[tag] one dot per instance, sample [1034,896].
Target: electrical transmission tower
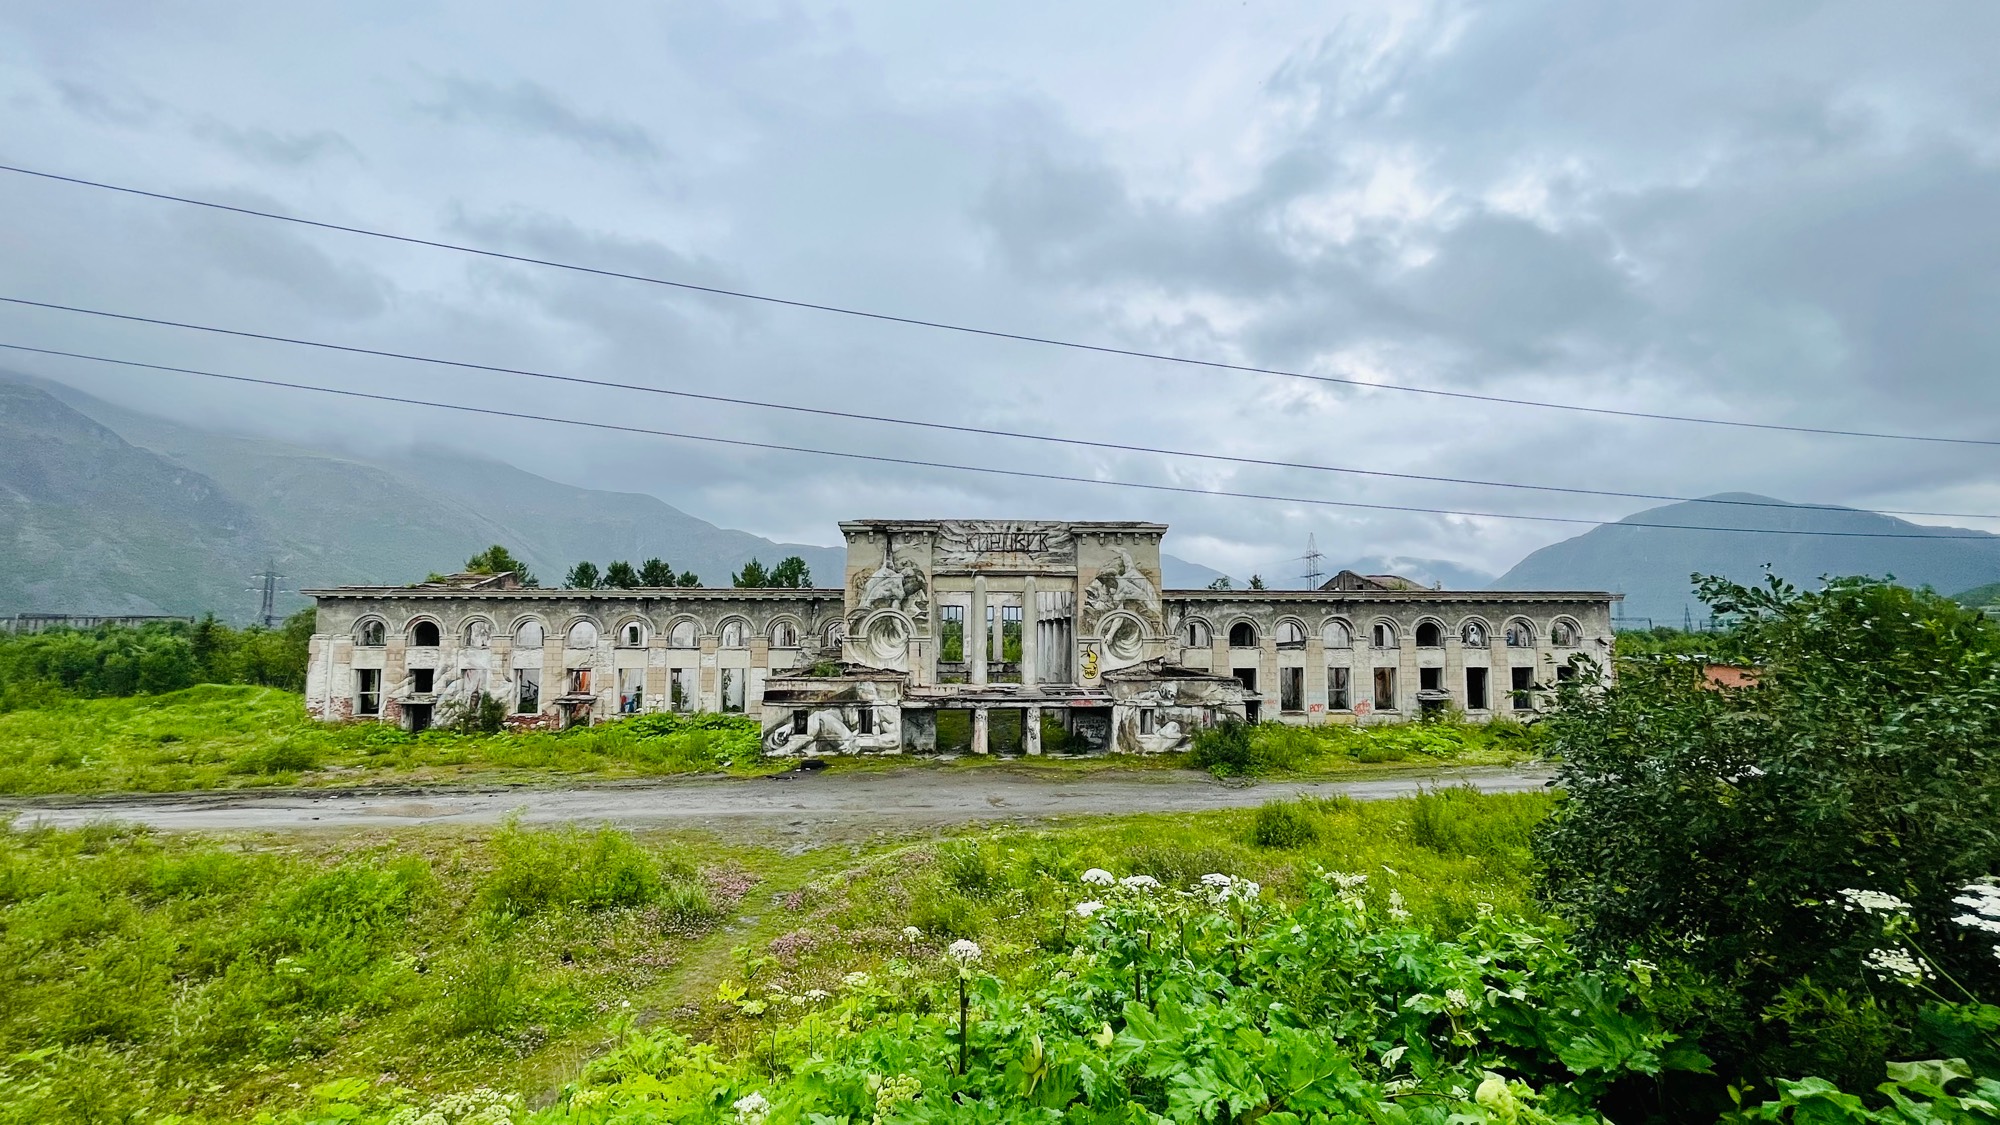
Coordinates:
[268,614]
[1312,558]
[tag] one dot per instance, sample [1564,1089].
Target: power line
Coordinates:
[912,462]
[828,412]
[972,330]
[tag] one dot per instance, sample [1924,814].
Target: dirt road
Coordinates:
[850,800]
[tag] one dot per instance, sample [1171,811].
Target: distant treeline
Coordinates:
[39,669]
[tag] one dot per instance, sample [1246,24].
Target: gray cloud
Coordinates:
[531,109]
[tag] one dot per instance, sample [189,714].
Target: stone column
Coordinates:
[1031,731]
[1031,650]
[975,643]
[979,731]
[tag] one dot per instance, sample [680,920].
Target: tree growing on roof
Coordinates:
[583,576]
[499,560]
[752,576]
[791,573]
[620,576]
[656,572]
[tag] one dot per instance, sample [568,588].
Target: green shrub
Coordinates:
[971,870]
[545,869]
[285,755]
[1223,749]
[1284,824]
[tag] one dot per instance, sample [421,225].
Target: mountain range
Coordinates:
[108,510]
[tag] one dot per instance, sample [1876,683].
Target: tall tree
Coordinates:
[753,576]
[656,572]
[620,576]
[583,576]
[689,579]
[791,573]
[1257,582]
[499,560]
[1222,583]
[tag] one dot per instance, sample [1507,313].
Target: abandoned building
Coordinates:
[955,635]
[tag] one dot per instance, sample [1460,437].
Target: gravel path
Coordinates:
[890,799]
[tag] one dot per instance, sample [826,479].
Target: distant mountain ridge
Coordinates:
[105,509]
[1651,565]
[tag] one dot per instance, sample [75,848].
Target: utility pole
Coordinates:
[1312,558]
[268,614]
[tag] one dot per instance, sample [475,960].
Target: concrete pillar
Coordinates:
[979,731]
[1031,731]
[1000,631]
[1031,649]
[975,644]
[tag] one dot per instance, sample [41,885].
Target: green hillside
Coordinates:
[1979,597]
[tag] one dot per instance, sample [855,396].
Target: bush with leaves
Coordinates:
[1714,830]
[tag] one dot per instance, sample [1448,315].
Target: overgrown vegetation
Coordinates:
[149,975]
[1237,749]
[220,737]
[42,669]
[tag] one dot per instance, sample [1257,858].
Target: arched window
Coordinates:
[835,634]
[528,634]
[1429,635]
[424,634]
[1473,635]
[1520,634]
[1337,634]
[1564,633]
[1383,635]
[1291,634]
[583,634]
[632,634]
[732,634]
[684,634]
[1195,634]
[1242,635]
[372,634]
[478,633]
[784,634]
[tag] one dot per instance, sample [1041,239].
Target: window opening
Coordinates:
[951,634]
[1242,635]
[1523,681]
[1339,690]
[1385,689]
[528,635]
[631,690]
[1291,634]
[864,723]
[681,689]
[684,634]
[1196,635]
[632,635]
[424,635]
[1384,635]
[579,681]
[1148,720]
[479,634]
[1248,678]
[527,691]
[799,721]
[1563,635]
[582,635]
[784,635]
[374,634]
[1429,635]
[421,680]
[732,690]
[368,691]
[1475,689]
[1337,634]
[732,634]
[1473,635]
[1520,635]
[1430,679]
[1291,689]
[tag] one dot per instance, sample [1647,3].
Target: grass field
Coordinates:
[222,737]
[218,977]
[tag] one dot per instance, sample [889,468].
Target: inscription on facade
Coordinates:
[994,542]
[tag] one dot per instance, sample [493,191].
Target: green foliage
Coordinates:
[791,573]
[1234,749]
[536,871]
[499,560]
[583,576]
[752,576]
[215,735]
[1257,582]
[1223,749]
[1722,646]
[40,669]
[1222,583]
[1715,829]
[620,576]
[655,572]
[1284,824]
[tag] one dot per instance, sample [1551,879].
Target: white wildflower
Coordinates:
[1246,891]
[1397,911]
[752,1109]
[1099,877]
[856,979]
[1216,879]
[1983,898]
[1086,909]
[963,951]
[1974,921]
[1139,882]
[1874,902]
[1347,882]
[1896,964]
[1455,999]
[817,994]
[911,933]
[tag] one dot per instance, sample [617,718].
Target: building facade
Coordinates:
[955,635]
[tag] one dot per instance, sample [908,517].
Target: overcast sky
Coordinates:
[1774,211]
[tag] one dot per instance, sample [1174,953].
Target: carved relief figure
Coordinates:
[895,585]
[1121,585]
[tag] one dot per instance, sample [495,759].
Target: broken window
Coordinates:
[1384,635]
[478,633]
[951,634]
[1148,720]
[1565,673]
[1242,635]
[732,634]
[1523,688]
[1339,690]
[1010,634]
[631,690]
[1430,679]
[1520,634]
[632,634]
[681,690]
[835,634]
[784,634]
[527,691]
[1337,634]
[421,680]
[1291,689]
[1563,634]
[1248,678]
[1430,635]
[732,690]
[1291,634]
[799,721]
[1195,634]
[684,634]
[864,723]
[1385,689]
[582,635]
[1473,635]
[528,634]
[368,691]
[373,634]
[424,634]
[1475,689]
[579,682]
